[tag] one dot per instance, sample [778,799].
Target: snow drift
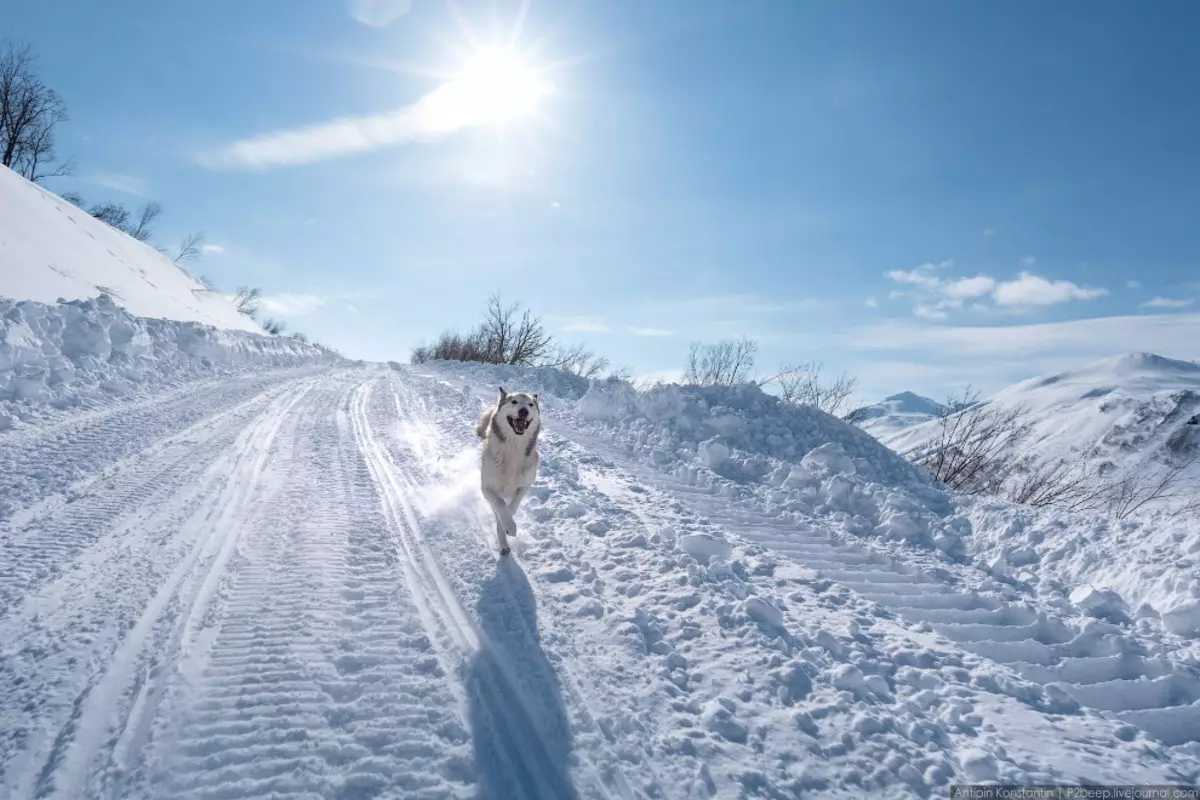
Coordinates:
[89,353]
[49,249]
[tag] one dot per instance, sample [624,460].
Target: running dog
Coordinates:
[509,462]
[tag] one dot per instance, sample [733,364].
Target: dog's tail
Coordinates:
[485,422]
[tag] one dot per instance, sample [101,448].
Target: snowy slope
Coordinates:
[899,411]
[49,249]
[289,587]
[1117,412]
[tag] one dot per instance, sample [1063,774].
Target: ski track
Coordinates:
[1095,664]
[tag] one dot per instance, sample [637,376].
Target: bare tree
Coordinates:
[578,360]
[29,113]
[274,326]
[801,385]
[246,300]
[1062,483]
[972,450]
[725,363]
[300,337]
[513,336]
[113,214]
[140,229]
[191,247]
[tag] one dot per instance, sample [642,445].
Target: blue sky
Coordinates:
[924,193]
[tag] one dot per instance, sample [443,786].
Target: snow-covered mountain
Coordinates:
[49,249]
[1120,413]
[894,413]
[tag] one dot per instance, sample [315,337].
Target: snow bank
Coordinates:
[1151,565]
[88,353]
[51,250]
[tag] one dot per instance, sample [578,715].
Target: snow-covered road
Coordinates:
[285,586]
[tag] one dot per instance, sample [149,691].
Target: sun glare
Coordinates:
[495,87]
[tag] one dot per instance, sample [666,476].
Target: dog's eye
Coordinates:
[514,402]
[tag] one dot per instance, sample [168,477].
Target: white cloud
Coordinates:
[650,331]
[872,302]
[584,325]
[213,250]
[290,305]
[1029,261]
[1132,284]
[378,13]
[1034,290]
[352,309]
[1168,302]
[934,296]
[1173,335]
[988,233]
[126,184]
[458,104]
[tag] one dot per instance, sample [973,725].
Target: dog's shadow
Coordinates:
[520,730]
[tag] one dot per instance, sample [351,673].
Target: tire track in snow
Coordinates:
[317,679]
[62,751]
[514,757]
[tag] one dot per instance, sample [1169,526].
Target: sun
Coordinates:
[495,87]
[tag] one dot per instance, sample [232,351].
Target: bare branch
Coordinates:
[29,113]
[246,300]
[140,230]
[191,247]
[801,385]
[726,363]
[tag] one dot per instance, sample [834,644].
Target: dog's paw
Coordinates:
[504,551]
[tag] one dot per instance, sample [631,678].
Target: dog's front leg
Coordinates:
[505,524]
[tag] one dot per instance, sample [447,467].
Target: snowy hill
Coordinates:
[1117,413]
[894,413]
[49,249]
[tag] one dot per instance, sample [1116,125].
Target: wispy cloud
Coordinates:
[378,13]
[1034,290]
[1132,284]
[637,331]
[290,305]
[988,233]
[583,325]
[460,103]
[934,295]
[1175,335]
[1168,302]
[213,250]
[872,302]
[126,184]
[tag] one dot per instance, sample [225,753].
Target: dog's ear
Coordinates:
[503,395]
[535,402]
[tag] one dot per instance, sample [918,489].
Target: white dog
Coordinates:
[509,462]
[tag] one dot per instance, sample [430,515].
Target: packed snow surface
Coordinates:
[289,587]
[50,249]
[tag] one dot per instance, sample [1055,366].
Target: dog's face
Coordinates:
[519,411]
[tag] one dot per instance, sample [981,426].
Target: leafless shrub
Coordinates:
[274,326]
[972,450]
[190,248]
[300,337]
[140,229]
[726,363]
[112,214]
[801,385]
[29,113]
[506,335]
[1062,483]
[246,300]
[576,359]
[1137,490]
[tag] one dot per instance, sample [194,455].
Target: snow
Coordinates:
[1115,416]
[897,412]
[277,577]
[51,250]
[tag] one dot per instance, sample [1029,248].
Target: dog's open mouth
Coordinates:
[519,424]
